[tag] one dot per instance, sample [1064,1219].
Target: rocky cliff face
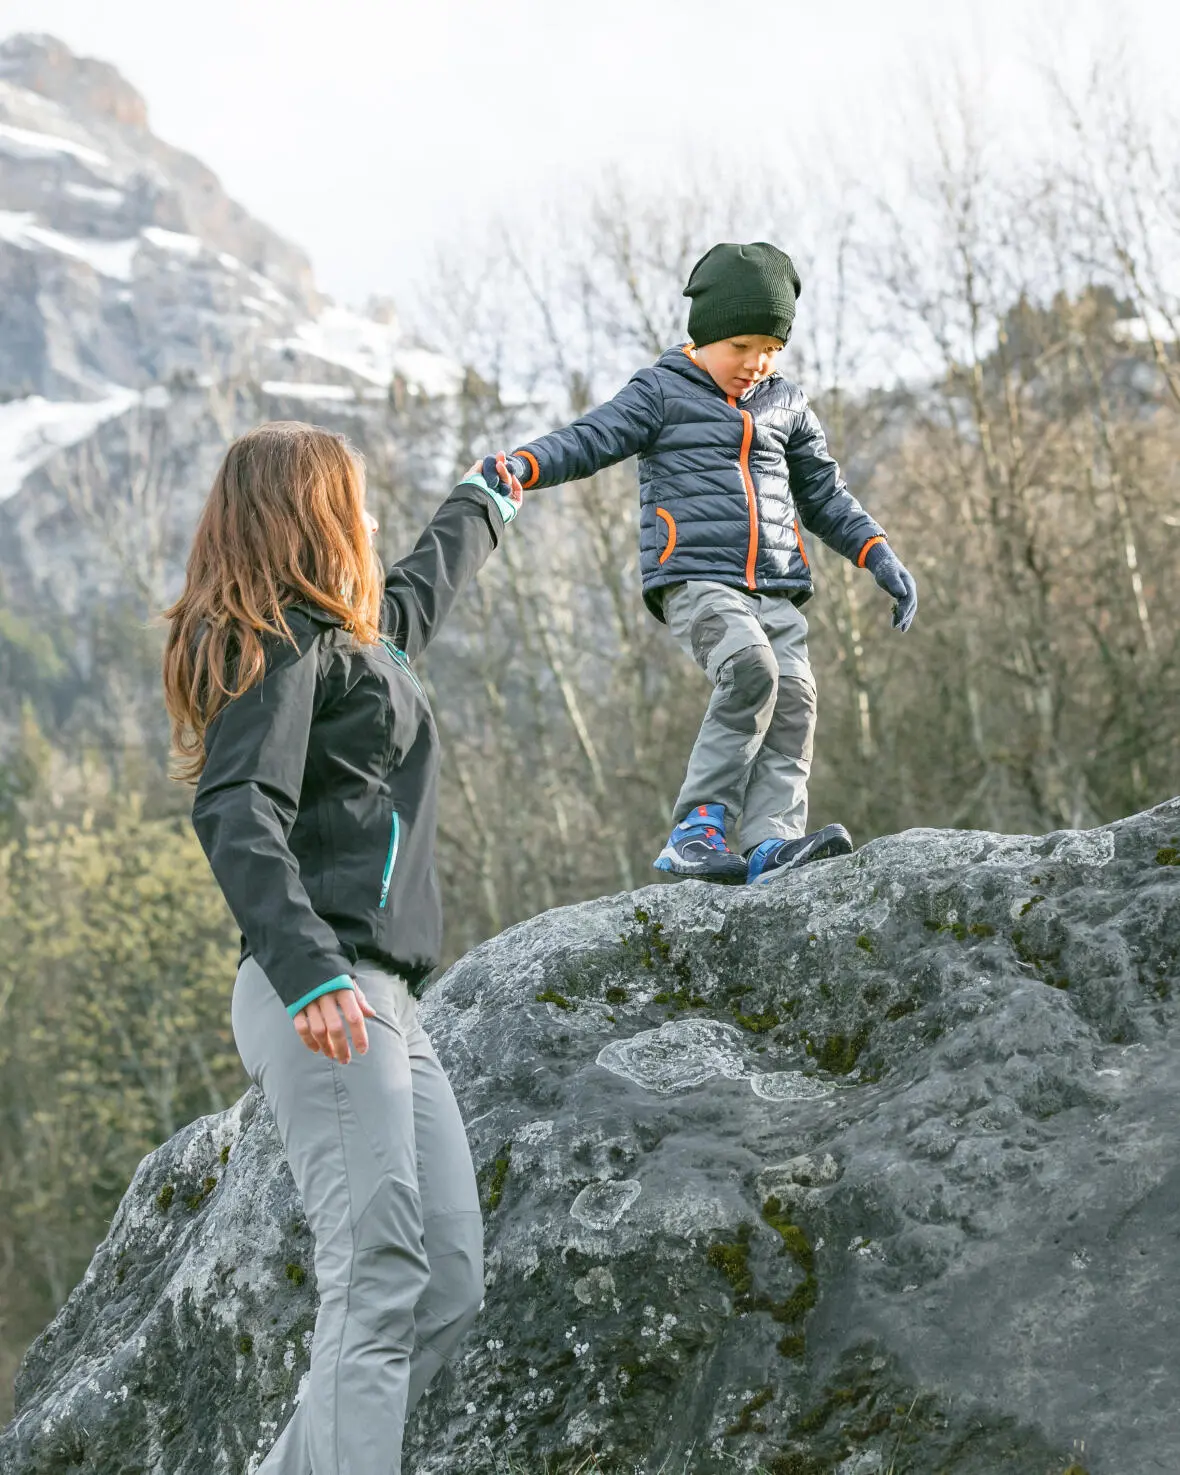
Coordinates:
[871,1170]
[145,318]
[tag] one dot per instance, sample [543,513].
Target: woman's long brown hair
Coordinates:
[284,521]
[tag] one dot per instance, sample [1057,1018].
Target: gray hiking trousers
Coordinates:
[378,1151]
[753,752]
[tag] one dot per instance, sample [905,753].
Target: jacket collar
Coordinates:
[314,612]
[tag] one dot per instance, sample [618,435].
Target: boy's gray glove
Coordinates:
[502,485]
[515,467]
[893,576]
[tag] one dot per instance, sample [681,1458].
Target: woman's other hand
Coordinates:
[327,1022]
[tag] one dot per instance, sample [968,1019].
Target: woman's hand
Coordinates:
[328,1021]
[502,469]
[503,483]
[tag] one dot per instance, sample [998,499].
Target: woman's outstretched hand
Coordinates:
[506,470]
[502,482]
[327,1022]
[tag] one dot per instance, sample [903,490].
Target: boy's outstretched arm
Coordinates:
[828,509]
[621,427]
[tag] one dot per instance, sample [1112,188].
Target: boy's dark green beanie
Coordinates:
[742,289]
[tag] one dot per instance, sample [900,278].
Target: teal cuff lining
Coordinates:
[507,508]
[332,986]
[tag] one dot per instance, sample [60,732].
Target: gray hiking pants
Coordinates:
[753,752]
[378,1151]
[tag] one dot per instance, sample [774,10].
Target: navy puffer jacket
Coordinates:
[724,484]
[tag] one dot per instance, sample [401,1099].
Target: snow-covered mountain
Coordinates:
[145,317]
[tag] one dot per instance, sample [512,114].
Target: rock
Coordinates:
[954,1250]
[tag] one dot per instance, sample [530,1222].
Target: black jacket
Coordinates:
[724,483]
[317,804]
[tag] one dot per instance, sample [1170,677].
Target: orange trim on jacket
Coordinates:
[532,460]
[799,544]
[751,495]
[671,543]
[864,552]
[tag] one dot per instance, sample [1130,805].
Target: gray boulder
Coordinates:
[870,1170]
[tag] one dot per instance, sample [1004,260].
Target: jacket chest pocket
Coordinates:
[402,662]
[408,705]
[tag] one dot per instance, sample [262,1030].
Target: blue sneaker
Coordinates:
[696,847]
[774,857]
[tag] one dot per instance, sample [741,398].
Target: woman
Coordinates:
[295,709]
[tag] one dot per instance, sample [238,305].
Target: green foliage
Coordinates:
[680,998]
[733,1260]
[115,974]
[758,1023]
[961,931]
[496,1178]
[551,996]
[746,1422]
[838,1053]
[795,1242]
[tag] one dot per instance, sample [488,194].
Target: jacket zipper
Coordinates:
[402,661]
[799,544]
[751,497]
[390,858]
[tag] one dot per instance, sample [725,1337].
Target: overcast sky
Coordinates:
[369,130]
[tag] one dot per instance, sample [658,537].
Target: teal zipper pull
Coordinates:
[403,661]
[390,859]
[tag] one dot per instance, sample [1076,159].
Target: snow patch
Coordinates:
[265,309]
[32,429]
[285,389]
[268,289]
[171,240]
[114,259]
[1152,325]
[24,143]
[371,351]
[430,372]
[111,198]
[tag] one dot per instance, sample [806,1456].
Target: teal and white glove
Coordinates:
[498,476]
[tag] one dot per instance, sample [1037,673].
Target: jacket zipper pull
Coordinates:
[390,858]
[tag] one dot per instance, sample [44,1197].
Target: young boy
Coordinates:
[731,460]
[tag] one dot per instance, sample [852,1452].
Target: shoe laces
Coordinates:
[710,835]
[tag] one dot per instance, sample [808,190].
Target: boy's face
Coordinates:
[738,363]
